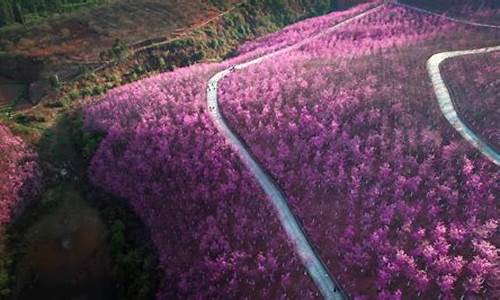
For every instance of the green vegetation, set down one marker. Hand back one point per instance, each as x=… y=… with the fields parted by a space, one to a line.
x=248 y=20
x=117 y=52
x=67 y=146
x=221 y=4
x=133 y=255
x=134 y=266
x=23 y=11
x=5 y=267
x=216 y=40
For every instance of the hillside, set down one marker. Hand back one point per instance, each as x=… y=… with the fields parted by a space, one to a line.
x=64 y=45
x=104 y=251
x=353 y=112
x=206 y=150
x=72 y=45
x=395 y=201
x=474 y=83
x=84 y=34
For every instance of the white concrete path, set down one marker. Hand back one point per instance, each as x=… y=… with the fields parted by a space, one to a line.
x=326 y=284
x=441 y=90
x=446 y=103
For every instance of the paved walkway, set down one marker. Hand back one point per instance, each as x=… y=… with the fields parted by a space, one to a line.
x=326 y=284
x=441 y=90
x=446 y=104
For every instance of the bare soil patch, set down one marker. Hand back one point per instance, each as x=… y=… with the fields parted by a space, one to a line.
x=9 y=90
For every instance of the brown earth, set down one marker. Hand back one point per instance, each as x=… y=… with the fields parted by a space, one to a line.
x=66 y=255
x=9 y=90
x=84 y=34
x=62 y=45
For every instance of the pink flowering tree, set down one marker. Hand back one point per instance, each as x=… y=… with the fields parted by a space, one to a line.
x=397 y=204
x=393 y=198
x=474 y=84
x=216 y=233
x=19 y=177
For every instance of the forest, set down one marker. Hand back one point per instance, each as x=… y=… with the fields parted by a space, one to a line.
x=251 y=149
x=21 y=11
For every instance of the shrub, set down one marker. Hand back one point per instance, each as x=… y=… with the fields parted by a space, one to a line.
x=20 y=177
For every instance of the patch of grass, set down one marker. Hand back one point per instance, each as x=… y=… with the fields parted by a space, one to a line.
x=34 y=11
x=134 y=257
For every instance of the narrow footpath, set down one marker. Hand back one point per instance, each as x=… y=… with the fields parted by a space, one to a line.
x=326 y=284
x=446 y=103
x=442 y=92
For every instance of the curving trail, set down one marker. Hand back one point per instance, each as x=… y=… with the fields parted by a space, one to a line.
x=446 y=103
x=326 y=284
x=441 y=90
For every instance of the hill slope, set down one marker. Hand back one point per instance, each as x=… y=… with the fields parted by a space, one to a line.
x=397 y=203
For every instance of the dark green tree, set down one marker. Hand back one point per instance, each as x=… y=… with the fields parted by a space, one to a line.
x=54 y=5
x=6 y=12
x=17 y=11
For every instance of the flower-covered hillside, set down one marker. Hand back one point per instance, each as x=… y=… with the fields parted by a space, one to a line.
x=474 y=81
x=216 y=233
x=398 y=204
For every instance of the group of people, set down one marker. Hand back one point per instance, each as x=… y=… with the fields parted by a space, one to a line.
x=212 y=86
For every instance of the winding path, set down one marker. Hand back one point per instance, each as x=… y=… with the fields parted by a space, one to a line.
x=442 y=92
x=446 y=104
x=326 y=284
